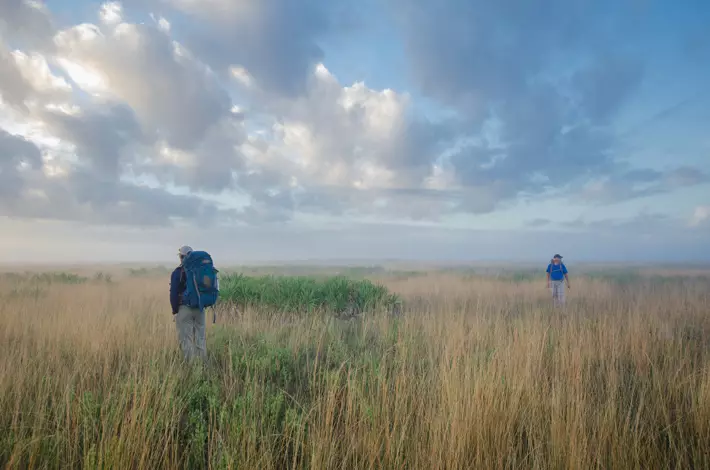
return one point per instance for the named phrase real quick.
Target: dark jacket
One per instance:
(177, 287)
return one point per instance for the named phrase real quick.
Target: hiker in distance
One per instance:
(193, 287)
(556, 276)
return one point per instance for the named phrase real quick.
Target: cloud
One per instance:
(701, 216)
(605, 85)
(534, 124)
(538, 222)
(643, 223)
(225, 111)
(348, 150)
(25, 78)
(17, 155)
(34, 185)
(639, 183)
(172, 94)
(275, 41)
(13, 86)
(27, 22)
(100, 136)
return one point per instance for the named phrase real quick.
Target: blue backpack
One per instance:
(201, 282)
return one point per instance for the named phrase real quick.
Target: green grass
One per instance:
(303, 294)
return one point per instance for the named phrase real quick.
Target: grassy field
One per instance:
(477, 372)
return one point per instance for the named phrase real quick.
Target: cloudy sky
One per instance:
(418, 129)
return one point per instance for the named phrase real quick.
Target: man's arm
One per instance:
(567, 278)
(175, 290)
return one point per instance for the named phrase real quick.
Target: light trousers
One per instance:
(190, 324)
(558, 292)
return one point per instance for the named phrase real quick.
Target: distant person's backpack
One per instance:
(201, 282)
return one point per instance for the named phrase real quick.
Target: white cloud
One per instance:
(241, 75)
(172, 94)
(111, 13)
(35, 70)
(701, 216)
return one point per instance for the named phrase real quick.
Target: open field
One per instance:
(477, 372)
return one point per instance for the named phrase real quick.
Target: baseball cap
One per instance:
(557, 256)
(184, 250)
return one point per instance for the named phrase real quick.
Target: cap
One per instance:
(557, 256)
(184, 250)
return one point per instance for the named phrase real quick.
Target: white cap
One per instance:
(184, 250)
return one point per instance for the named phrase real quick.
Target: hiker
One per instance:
(556, 276)
(189, 321)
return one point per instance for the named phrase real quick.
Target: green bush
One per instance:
(303, 294)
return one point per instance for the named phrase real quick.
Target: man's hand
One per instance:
(569, 286)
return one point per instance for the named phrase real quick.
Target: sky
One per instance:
(274, 130)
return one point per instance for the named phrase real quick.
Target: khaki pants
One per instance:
(190, 324)
(558, 292)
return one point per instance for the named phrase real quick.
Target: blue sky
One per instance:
(463, 122)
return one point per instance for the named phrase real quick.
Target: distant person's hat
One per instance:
(557, 257)
(184, 250)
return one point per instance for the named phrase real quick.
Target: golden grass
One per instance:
(476, 374)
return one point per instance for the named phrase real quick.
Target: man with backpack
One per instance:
(556, 276)
(193, 287)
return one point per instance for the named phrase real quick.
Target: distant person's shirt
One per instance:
(557, 271)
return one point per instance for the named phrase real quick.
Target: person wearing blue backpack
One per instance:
(194, 286)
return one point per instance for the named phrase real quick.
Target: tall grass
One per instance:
(477, 374)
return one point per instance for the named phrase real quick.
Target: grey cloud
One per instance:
(130, 204)
(14, 152)
(605, 85)
(15, 149)
(538, 222)
(632, 184)
(14, 89)
(26, 22)
(90, 192)
(100, 134)
(462, 50)
(416, 203)
(81, 196)
(642, 223)
(686, 176)
(210, 166)
(275, 40)
(497, 62)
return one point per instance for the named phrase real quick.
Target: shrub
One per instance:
(303, 294)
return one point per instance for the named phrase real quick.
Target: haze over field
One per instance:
(323, 129)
